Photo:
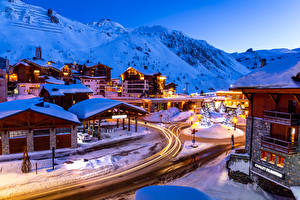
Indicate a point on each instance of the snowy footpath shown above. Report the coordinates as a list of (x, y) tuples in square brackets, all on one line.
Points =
[(213, 180), (76, 166)]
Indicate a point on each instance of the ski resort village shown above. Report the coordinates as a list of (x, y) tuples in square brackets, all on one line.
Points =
[(99, 111)]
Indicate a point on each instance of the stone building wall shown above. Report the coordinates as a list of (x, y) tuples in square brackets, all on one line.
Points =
[(292, 162)]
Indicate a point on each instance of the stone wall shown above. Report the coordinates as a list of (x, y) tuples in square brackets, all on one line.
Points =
[(5, 143), (292, 162)]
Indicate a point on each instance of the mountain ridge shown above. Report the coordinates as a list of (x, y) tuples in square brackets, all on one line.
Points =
[(193, 64)]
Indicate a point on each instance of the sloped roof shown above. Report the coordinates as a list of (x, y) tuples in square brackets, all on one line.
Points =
[(42, 63), (61, 90), (90, 107), (37, 105), (143, 71), (275, 75), (3, 63)]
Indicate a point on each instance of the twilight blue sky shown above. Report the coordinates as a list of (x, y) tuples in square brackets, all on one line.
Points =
[(231, 25)]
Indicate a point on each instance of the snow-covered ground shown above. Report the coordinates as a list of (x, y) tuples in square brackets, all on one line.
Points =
[(213, 180), (188, 149), (217, 131), (171, 115), (79, 166)]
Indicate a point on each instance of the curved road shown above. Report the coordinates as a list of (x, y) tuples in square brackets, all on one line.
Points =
[(159, 168), (89, 188)]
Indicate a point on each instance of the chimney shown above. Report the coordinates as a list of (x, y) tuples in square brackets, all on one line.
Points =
[(38, 53)]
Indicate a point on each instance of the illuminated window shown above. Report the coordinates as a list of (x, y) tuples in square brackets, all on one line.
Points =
[(272, 158), (74, 102), (263, 155), (36, 72), (280, 161)]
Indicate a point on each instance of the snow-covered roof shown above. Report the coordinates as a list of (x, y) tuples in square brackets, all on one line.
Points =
[(143, 71), (91, 107), (38, 105), (2, 63), (42, 63), (274, 75), (53, 80), (61, 90)]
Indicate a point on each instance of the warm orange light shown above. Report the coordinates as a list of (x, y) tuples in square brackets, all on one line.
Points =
[(234, 120), (36, 72), (192, 118), (246, 112)]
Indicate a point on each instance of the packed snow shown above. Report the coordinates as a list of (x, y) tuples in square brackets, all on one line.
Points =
[(212, 179), (217, 131)]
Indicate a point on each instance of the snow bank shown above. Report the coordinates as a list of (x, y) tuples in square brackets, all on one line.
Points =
[(216, 131), (189, 150), (171, 115), (105, 163), (164, 192), (213, 179)]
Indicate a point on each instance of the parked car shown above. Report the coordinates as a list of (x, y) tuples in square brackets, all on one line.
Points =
[(84, 137)]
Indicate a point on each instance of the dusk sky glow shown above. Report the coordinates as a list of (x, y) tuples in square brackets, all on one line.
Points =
[(231, 25)]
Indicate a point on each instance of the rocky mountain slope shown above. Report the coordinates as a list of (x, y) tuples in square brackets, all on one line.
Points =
[(260, 58), (192, 64)]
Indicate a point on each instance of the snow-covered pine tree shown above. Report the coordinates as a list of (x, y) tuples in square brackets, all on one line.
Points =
[(222, 108), (205, 121), (228, 119), (212, 107), (239, 110)]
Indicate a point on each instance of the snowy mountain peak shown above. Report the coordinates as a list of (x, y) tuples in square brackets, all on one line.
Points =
[(192, 64), (260, 58)]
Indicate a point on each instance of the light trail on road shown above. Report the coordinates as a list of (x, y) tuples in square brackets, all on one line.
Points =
[(70, 191)]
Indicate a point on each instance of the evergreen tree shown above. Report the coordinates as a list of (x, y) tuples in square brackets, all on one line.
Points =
[(205, 121)]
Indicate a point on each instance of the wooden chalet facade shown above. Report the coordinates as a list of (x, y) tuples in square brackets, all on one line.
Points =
[(138, 84), (272, 134), (36, 126), (169, 90), (27, 75), (97, 77), (273, 124), (65, 95)]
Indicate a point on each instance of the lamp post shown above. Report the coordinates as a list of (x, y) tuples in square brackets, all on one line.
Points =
[(192, 119), (234, 120), (194, 138)]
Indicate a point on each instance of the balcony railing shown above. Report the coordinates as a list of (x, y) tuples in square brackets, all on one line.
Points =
[(279, 145), (284, 118)]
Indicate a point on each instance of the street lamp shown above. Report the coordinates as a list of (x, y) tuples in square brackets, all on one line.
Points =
[(192, 119), (194, 138), (234, 120)]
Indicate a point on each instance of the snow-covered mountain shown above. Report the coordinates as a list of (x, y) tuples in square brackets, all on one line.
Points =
[(192, 64), (260, 58)]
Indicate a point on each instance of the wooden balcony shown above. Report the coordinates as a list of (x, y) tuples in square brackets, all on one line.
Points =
[(279, 145), (284, 118)]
